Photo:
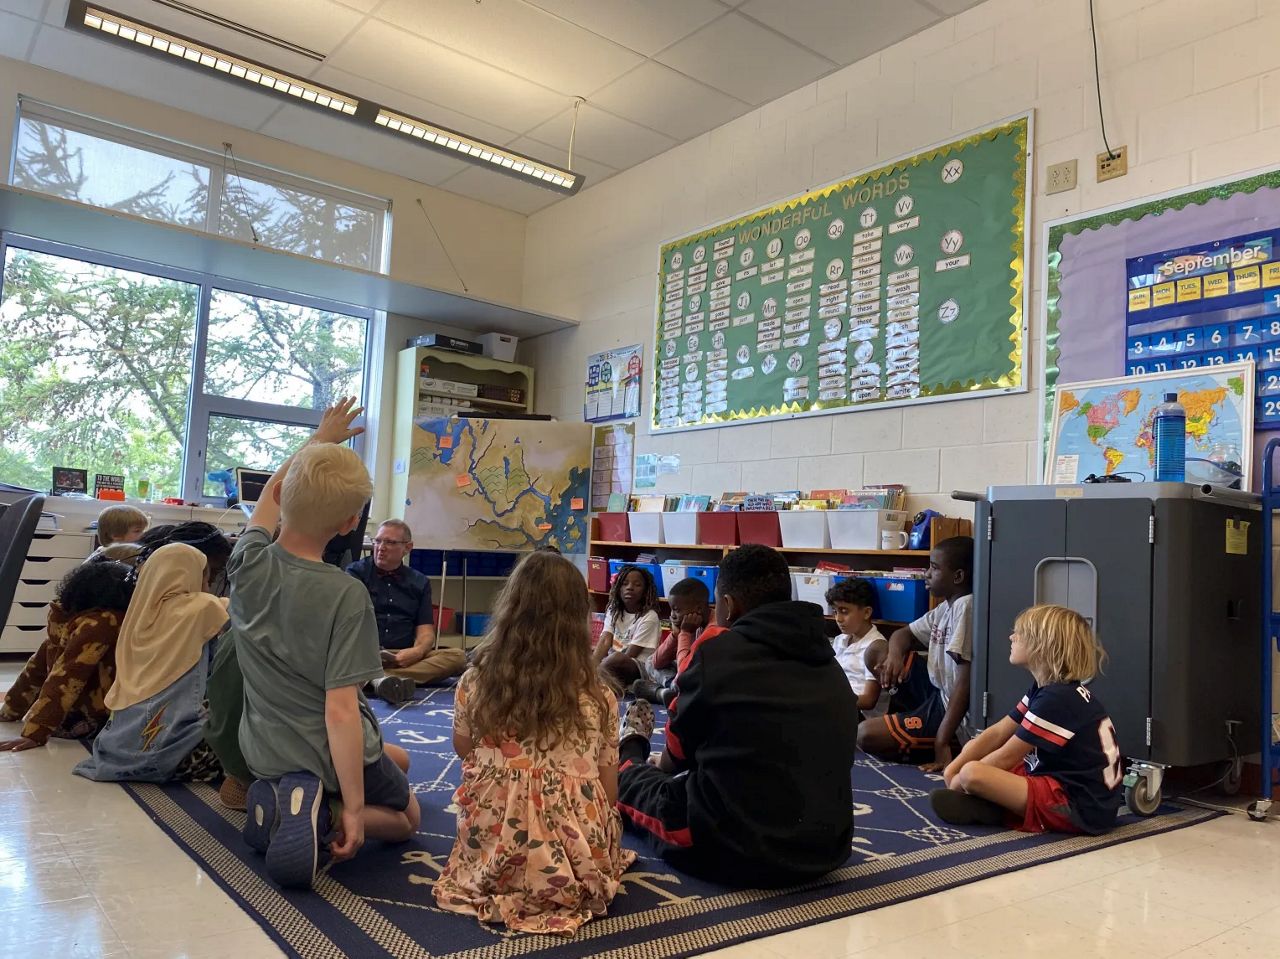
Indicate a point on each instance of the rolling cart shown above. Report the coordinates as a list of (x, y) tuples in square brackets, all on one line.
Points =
[(1270, 751)]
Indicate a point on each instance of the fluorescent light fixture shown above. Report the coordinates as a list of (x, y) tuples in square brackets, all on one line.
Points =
[(482, 154), (88, 18), (97, 21)]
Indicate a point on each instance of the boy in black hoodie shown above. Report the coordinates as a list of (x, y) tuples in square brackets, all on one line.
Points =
[(761, 745)]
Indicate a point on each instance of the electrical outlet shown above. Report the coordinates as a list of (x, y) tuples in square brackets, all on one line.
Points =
[(1061, 177), (1117, 164)]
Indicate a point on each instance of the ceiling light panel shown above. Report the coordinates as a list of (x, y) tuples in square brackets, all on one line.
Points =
[(88, 18)]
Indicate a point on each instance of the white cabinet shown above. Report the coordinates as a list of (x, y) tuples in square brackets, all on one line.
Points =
[(51, 555)]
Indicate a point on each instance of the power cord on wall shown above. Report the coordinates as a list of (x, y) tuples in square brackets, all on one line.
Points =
[(1097, 83)]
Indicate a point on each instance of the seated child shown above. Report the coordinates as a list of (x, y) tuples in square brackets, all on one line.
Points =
[(690, 618), (156, 729), (539, 842), (61, 690), (760, 742), (631, 627), (860, 648), (928, 709), (1052, 764), (306, 642), (119, 524)]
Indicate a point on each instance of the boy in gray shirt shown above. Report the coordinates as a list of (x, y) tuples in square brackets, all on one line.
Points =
[(307, 642)]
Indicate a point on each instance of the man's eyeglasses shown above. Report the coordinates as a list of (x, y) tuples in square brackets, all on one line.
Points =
[(390, 542)]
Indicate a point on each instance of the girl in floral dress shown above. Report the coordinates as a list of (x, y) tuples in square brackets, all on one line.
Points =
[(539, 840)]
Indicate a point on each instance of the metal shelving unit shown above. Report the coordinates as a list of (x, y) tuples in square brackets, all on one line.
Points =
[(1270, 751)]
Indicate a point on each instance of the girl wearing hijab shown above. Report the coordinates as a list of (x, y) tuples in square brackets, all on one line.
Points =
[(156, 730)]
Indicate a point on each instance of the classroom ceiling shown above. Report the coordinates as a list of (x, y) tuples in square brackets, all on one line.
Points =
[(654, 73)]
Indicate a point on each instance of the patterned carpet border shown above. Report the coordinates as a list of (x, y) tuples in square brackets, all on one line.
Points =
[(381, 904)]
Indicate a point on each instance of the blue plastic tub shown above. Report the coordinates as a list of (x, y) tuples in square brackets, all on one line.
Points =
[(708, 574), (476, 624)]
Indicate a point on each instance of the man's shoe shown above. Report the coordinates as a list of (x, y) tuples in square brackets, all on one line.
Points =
[(396, 690), (261, 813), (961, 809), (647, 690), (299, 848)]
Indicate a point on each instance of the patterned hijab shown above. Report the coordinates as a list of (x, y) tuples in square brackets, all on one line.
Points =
[(169, 621)]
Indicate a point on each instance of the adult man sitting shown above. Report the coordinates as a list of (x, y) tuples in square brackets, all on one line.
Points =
[(402, 604)]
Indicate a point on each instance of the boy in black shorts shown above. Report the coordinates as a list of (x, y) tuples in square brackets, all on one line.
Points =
[(928, 663)]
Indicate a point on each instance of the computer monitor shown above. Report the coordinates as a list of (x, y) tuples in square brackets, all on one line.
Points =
[(249, 486)]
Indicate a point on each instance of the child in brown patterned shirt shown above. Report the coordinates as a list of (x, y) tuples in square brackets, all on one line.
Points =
[(61, 691)]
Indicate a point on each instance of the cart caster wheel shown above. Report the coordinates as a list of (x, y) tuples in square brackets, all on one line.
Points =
[(1140, 800), (1231, 782), (1258, 811)]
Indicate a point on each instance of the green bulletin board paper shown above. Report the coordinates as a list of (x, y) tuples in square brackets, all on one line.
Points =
[(902, 284)]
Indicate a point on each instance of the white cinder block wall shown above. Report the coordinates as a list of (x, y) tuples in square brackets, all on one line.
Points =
[(1192, 87)]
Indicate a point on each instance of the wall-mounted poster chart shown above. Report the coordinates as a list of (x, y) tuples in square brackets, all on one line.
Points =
[(903, 284), (1187, 280), (613, 385)]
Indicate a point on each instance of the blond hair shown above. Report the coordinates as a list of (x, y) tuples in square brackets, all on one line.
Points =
[(115, 522), (325, 487), (399, 524), (1061, 646)]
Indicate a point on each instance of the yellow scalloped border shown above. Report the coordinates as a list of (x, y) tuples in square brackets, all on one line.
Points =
[(1019, 128)]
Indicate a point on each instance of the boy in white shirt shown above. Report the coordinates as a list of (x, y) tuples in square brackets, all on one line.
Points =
[(860, 647)]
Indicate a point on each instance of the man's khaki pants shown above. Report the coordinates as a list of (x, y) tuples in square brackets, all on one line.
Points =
[(437, 664)]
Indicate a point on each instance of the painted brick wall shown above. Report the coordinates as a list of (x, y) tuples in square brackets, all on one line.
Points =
[(1192, 87)]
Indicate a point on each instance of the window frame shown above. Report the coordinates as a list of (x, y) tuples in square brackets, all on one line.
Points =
[(201, 406), (220, 169)]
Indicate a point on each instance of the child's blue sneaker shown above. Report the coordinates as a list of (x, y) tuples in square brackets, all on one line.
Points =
[(261, 814), (299, 847)]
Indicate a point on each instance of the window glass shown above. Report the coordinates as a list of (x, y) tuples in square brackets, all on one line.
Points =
[(95, 371), (245, 442)]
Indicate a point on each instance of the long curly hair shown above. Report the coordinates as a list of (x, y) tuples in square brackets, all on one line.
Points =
[(529, 675), (648, 601)]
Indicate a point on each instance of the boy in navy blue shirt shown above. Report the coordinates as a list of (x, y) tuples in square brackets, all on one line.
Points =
[(1052, 764)]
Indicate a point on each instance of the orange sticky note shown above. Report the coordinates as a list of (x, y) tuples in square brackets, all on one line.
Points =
[(577, 503), (543, 527), (462, 479), (446, 442)]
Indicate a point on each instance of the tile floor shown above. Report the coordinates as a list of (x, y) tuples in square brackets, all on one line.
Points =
[(85, 873)]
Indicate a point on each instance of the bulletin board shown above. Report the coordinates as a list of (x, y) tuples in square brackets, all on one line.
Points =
[(1182, 281), (903, 284)]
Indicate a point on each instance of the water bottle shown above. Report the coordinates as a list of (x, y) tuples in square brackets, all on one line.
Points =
[(1170, 431)]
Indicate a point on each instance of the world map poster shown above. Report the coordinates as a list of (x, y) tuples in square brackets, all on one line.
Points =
[(1106, 427), (507, 485)]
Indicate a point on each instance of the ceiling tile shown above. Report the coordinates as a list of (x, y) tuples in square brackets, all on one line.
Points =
[(952, 7), (413, 106), (501, 190), (382, 151), (603, 137), (150, 78), (645, 26), (739, 57), (316, 24), (592, 171), (843, 31), (15, 35), (405, 62), (364, 6), (659, 97), (32, 9), (517, 37)]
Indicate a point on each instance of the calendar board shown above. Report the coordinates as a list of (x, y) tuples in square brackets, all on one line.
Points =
[(903, 284)]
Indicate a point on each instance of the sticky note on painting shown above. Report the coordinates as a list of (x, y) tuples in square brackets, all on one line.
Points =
[(463, 480), (446, 442), (577, 503), (544, 527)]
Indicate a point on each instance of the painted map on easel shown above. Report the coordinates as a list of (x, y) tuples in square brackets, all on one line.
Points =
[(499, 484)]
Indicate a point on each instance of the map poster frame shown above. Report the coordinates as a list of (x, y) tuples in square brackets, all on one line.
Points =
[(1245, 370), (964, 222)]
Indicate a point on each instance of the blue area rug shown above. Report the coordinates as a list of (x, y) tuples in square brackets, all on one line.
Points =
[(380, 904)]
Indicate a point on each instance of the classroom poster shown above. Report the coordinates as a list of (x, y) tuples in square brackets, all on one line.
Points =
[(612, 449), (613, 384), (903, 284)]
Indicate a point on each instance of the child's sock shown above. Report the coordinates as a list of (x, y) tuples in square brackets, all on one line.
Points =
[(961, 809)]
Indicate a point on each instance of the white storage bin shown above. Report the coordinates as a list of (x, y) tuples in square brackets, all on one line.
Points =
[(645, 527), (804, 528), (672, 573), (811, 587), (861, 528), (77, 545), (48, 570), (499, 346), (21, 639), (680, 529)]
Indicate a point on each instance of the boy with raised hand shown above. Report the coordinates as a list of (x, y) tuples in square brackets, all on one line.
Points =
[(307, 642), (927, 711), (755, 785)]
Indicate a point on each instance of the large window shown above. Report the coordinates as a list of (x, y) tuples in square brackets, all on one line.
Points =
[(118, 367), (105, 165)]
